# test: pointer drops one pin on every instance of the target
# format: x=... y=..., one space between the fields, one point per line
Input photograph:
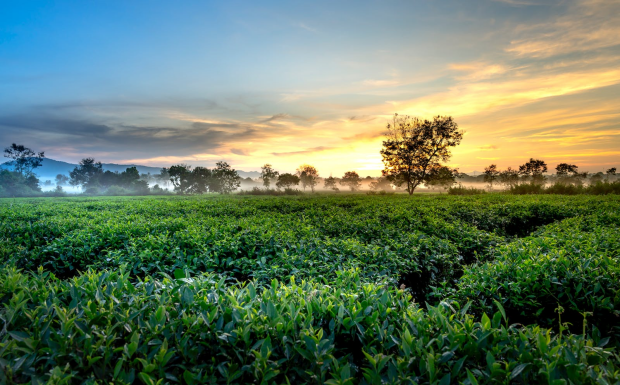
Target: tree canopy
x=352 y=180
x=308 y=175
x=24 y=160
x=413 y=147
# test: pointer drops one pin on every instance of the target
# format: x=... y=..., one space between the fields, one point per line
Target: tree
x=569 y=174
x=85 y=172
x=308 y=176
x=610 y=172
x=61 y=180
x=201 y=180
x=287 y=180
x=442 y=177
x=352 y=180
x=509 y=177
x=225 y=178
x=163 y=177
x=330 y=183
x=267 y=174
x=490 y=174
x=381 y=183
x=534 y=171
x=414 y=147
x=24 y=159
x=180 y=177
x=13 y=183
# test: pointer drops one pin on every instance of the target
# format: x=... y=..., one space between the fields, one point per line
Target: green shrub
x=572 y=264
x=103 y=327
x=527 y=188
x=462 y=190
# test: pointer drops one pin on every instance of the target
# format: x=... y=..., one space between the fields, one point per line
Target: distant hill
x=50 y=168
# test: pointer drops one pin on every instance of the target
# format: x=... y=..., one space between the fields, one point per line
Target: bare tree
x=414 y=147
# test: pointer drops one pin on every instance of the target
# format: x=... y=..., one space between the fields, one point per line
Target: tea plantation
x=340 y=289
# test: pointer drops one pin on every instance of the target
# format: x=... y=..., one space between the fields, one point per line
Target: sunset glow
x=158 y=83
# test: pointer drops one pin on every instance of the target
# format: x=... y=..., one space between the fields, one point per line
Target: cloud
x=239 y=151
x=488 y=147
x=588 y=25
x=304 y=152
x=381 y=83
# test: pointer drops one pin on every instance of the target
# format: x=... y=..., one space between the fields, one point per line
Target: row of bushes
x=104 y=327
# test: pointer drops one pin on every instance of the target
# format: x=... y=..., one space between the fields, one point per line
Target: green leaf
x=517 y=370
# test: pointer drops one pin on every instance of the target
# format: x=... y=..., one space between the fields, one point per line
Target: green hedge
x=105 y=327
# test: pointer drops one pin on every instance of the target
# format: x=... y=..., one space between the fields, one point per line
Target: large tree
x=24 y=159
x=85 y=173
x=308 y=175
x=268 y=174
x=61 y=180
x=413 y=147
x=225 y=178
x=352 y=180
x=610 y=172
x=569 y=174
x=509 y=177
x=534 y=171
x=491 y=173
x=287 y=180
x=330 y=183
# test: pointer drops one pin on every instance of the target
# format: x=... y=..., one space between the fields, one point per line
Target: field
x=337 y=289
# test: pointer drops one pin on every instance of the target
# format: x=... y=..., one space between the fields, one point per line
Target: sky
x=290 y=82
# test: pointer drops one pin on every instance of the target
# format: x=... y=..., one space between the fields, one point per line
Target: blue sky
x=160 y=82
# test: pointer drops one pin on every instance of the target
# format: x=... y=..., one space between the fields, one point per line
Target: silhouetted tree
x=534 y=171
x=595 y=178
x=569 y=174
x=414 y=147
x=24 y=159
x=330 y=183
x=287 y=181
x=352 y=180
x=267 y=174
x=491 y=173
x=225 y=178
x=61 y=180
x=85 y=172
x=441 y=176
x=308 y=175
x=509 y=177
x=200 y=180
x=610 y=172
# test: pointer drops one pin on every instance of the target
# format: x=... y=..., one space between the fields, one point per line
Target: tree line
x=414 y=153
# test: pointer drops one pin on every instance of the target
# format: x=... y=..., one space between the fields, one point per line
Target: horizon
x=156 y=84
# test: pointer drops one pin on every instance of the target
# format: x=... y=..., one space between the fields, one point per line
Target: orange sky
x=522 y=78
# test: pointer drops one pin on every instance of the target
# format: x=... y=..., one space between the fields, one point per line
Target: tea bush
x=336 y=289
x=105 y=327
